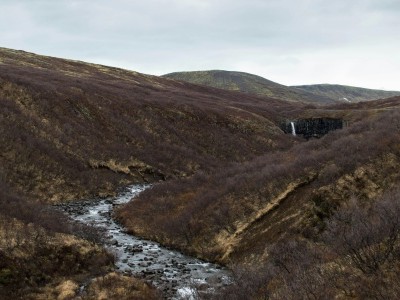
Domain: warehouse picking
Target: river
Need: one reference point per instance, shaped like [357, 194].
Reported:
[178, 276]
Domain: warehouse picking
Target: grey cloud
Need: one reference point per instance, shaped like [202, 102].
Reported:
[289, 38]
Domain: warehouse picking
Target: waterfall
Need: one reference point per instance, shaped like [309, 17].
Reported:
[293, 128]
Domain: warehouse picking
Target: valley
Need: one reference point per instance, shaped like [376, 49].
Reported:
[249, 194]
[175, 274]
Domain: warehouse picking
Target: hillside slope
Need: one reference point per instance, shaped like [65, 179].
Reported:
[70, 129]
[236, 188]
[282, 213]
[346, 93]
[248, 83]
[359, 160]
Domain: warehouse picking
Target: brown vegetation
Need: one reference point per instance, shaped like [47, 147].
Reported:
[116, 286]
[37, 248]
[241, 209]
[238, 190]
[356, 257]
[251, 84]
[69, 129]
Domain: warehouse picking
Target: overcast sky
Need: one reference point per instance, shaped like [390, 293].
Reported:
[353, 42]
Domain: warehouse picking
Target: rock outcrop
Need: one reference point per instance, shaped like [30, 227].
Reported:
[313, 127]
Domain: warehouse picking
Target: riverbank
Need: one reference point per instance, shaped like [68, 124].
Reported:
[172, 272]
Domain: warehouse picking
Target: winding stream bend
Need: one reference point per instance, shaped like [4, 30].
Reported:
[177, 275]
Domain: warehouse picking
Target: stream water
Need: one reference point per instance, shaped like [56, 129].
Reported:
[177, 275]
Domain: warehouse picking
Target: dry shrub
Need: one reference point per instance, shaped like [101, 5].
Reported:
[358, 257]
[119, 287]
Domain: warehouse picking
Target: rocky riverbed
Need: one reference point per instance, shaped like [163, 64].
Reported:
[177, 275]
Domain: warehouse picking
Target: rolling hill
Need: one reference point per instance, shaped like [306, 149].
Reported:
[249, 83]
[71, 129]
[346, 93]
[253, 84]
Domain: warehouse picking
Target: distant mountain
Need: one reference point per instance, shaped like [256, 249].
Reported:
[346, 93]
[249, 83]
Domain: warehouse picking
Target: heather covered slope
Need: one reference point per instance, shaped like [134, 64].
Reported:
[284, 205]
[237, 189]
[71, 129]
[346, 93]
[257, 202]
[249, 83]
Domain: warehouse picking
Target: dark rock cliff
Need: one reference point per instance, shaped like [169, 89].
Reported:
[313, 127]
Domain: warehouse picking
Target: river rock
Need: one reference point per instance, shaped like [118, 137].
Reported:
[164, 268]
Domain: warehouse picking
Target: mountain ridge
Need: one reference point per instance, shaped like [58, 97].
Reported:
[347, 93]
[248, 83]
[255, 84]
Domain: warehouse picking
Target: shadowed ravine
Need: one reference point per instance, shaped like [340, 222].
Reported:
[172, 272]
